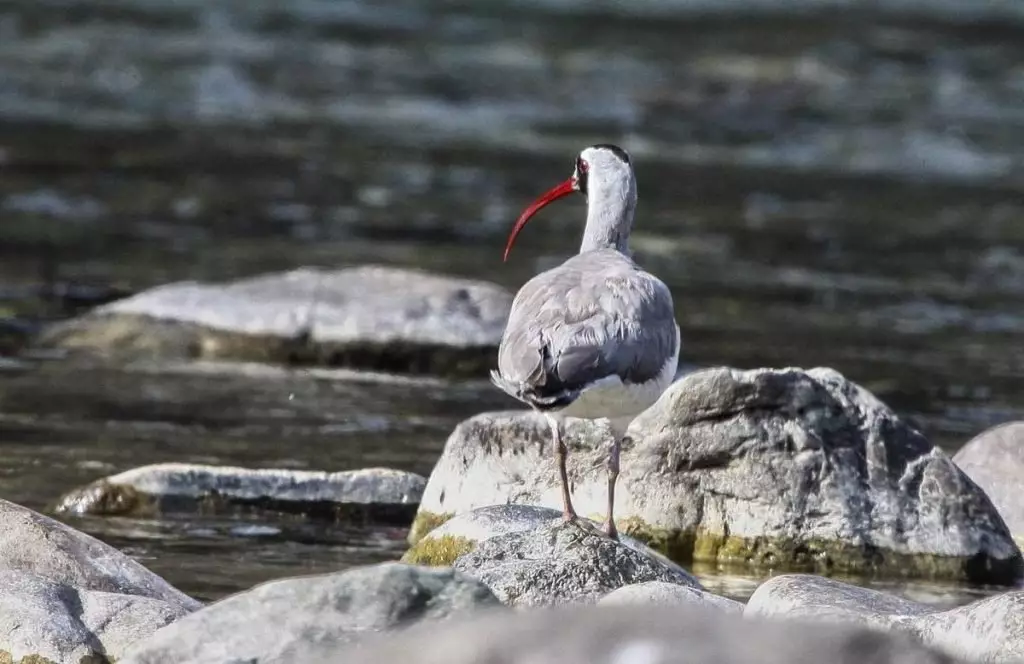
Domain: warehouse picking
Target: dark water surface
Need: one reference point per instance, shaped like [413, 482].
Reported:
[819, 190]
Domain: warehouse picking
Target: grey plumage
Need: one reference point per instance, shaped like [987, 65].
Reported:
[596, 315]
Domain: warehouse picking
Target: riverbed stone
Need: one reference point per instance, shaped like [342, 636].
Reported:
[663, 593]
[372, 494]
[371, 317]
[31, 543]
[988, 630]
[785, 469]
[562, 563]
[291, 620]
[635, 635]
[64, 624]
[994, 459]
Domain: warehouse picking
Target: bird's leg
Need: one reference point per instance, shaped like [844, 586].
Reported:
[562, 451]
[613, 476]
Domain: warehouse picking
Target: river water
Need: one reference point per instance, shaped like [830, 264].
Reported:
[834, 188]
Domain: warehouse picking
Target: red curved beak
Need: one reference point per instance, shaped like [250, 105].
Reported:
[562, 190]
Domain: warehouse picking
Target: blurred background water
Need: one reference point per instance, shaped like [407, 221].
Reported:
[821, 183]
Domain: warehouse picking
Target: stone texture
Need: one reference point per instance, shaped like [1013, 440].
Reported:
[668, 594]
[634, 635]
[369, 317]
[293, 620]
[70, 625]
[460, 534]
[31, 543]
[994, 459]
[562, 563]
[379, 494]
[989, 630]
[784, 469]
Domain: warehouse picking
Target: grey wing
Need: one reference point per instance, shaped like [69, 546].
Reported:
[569, 328]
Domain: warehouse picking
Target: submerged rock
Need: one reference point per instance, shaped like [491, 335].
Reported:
[370, 317]
[375, 494]
[31, 543]
[668, 594]
[64, 624]
[562, 563]
[989, 630]
[635, 635]
[994, 459]
[783, 469]
[295, 620]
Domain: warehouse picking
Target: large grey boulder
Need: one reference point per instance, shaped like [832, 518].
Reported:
[68, 625]
[662, 593]
[378, 494]
[562, 563]
[634, 635]
[296, 620]
[989, 630]
[782, 469]
[994, 459]
[33, 544]
[368, 317]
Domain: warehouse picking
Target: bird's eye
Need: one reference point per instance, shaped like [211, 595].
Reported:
[581, 166]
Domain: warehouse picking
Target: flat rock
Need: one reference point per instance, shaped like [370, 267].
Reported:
[668, 594]
[33, 544]
[989, 630]
[375, 494]
[372, 317]
[70, 625]
[460, 534]
[994, 459]
[562, 563]
[784, 469]
[292, 620]
[634, 635]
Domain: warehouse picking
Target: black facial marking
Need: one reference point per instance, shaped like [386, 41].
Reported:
[581, 175]
[615, 150]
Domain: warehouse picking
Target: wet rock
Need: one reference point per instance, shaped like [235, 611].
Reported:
[668, 594]
[370, 317]
[787, 469]
[989, 630]
[562, 563]
[634, 635]
[33, 544]
[994, 459]
[460, 534]
[62, 623]
[372, 494]
[295, 620]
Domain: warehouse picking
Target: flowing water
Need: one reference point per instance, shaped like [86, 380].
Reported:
[835, 189]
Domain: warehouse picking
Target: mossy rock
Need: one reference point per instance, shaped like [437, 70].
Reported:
[760, 554]
[438, 552]
[7, 658]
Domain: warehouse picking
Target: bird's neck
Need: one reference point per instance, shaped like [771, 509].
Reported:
[609, 220]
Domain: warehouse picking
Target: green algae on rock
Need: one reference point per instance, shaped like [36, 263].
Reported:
[438, 552]
[782, 469]
[379, 495]
[369, 317]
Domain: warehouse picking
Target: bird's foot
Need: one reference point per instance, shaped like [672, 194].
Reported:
[610, 530]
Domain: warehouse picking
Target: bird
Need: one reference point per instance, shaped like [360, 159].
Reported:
[595, 337]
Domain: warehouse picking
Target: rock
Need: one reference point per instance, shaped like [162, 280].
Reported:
[994, 459]
[460, 534]
[989, 630]
[634, 635]
[65, 624]
[33, 544]
[562, 563]
[375, 494]
[292, 620]
[370, 317]
[668, 594]
[783, 469]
